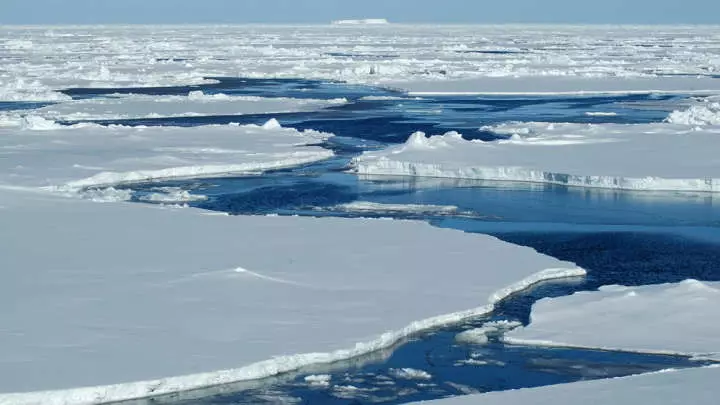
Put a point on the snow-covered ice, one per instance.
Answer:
(38, 61)
(681, 387)
(121, 293)
(671, 318)
(659, 156)
(45, 154)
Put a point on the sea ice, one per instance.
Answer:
(659, 156)
(670, 318)
(410, 374)
(118, 290)
(707, 113)
(481, 335)
(368, 206)
(672, 387)
(39, 61)
(45, 154)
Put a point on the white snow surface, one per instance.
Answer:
(681, 387)
(123, 297)
(670, 318)
(659, 156)
(39, 60)
(45, 154)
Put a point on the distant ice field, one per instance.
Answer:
(39, 61)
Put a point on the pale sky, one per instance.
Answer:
(322, 11)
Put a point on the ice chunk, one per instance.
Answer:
(321, 380)
(704, 114)
(367, 206)
(481, 335)
(410, 374)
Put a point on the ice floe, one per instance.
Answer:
(40, 61)
(672, 387)
(46, 154)
(671, 318)
(634, 157)
(120, 282)
(367, 206)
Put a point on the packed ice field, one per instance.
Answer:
(107, 300)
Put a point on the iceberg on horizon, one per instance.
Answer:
(367, 21)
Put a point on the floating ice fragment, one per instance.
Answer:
(410, 374)
(319, 380)
(482, 334)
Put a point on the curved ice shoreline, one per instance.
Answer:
(388, 167)
(278, 365)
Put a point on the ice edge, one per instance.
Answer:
(267, 368)
(387, 167)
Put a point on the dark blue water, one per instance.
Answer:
(619, 237)
(294, 88)
(21, 105)
(393, 120)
